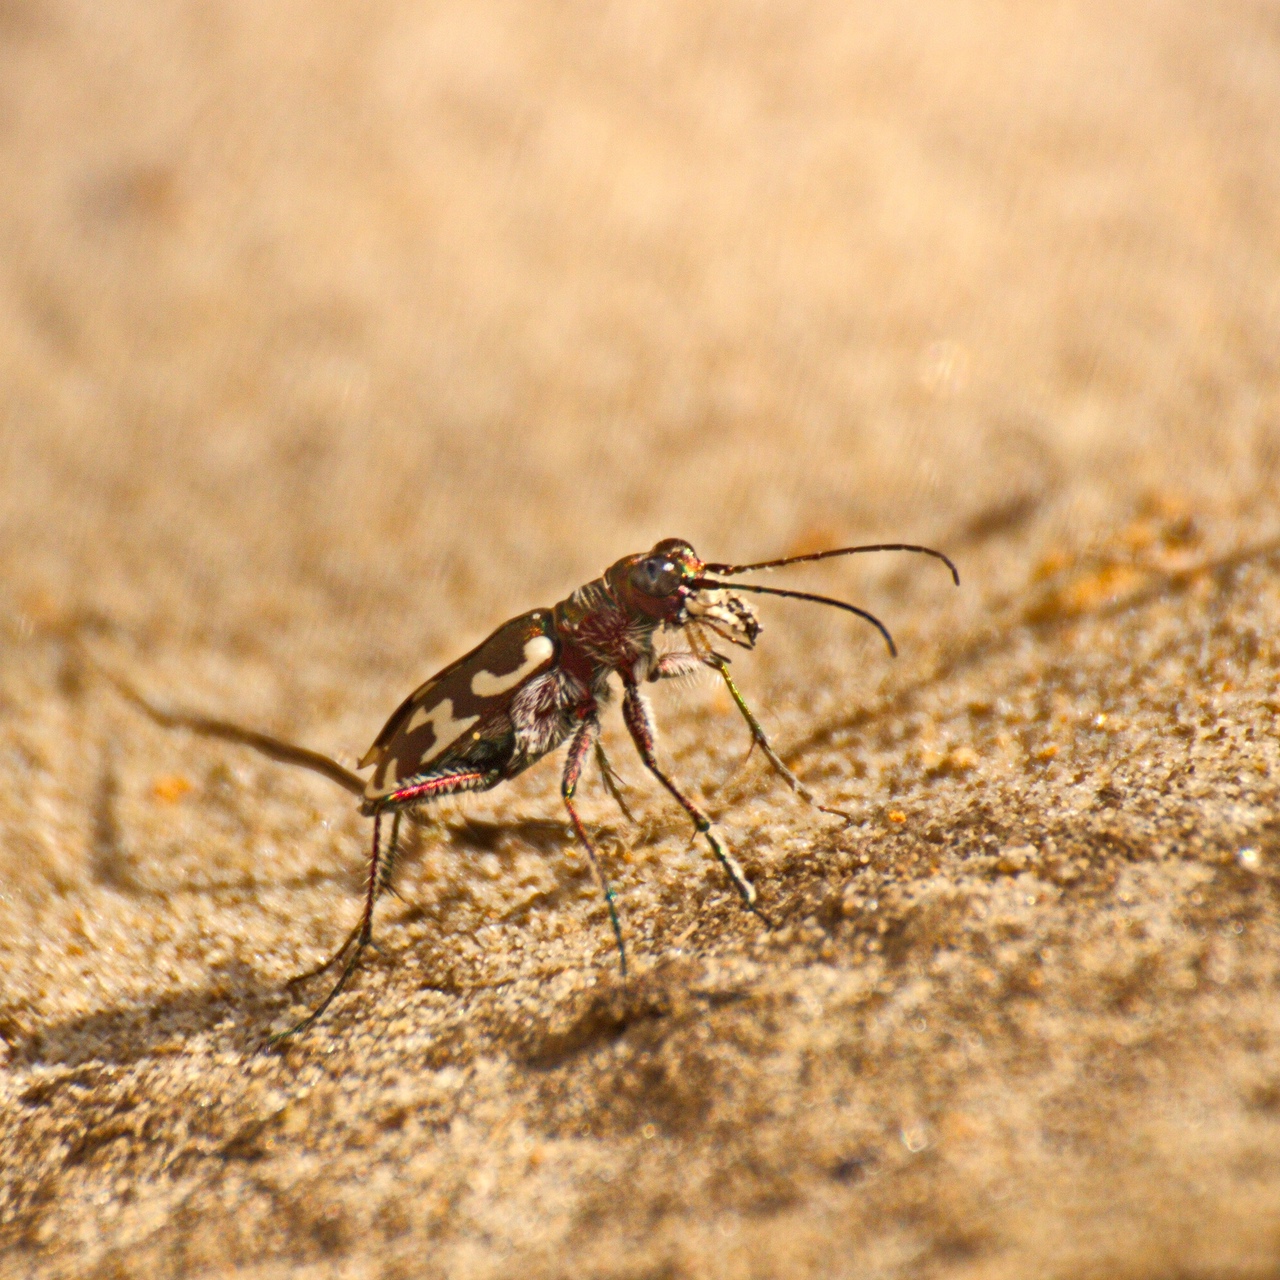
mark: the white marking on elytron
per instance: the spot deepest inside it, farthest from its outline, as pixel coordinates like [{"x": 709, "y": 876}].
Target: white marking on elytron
[
  {"x": 484, "y": 684},
  {"x": 443, "y": 725}
]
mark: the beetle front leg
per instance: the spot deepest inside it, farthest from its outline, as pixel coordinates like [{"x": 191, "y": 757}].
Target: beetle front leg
[
  {"x": 636, "y": 715},
  {"x": 677, "y": 665},
  {"x": 717, "y": 662},
  {"x": 583, "y": 741}
]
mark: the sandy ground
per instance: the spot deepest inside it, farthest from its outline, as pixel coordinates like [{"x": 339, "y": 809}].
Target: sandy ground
[{"x": 332, "y": 335}]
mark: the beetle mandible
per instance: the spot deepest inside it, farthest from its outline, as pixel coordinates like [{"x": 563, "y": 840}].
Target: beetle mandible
[{"x": 543, "y": 678}]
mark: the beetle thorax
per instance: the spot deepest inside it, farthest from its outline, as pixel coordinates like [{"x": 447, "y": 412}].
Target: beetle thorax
[{"x": 594, "y": 625}]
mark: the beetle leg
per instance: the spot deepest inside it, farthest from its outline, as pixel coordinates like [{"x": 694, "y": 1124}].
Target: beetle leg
[
  {"x": 636, "y": 715},
  {"x": 588, "y": 735},
  {"x": 719, "y": 663},
  {"x": 325, "y": 965},
  {"x": 362, "y": 937},
  {"x": 380, "y": 870},
  {"x": 677, "y": 665},
  {"x": 612, "y": 781},
  {"x": 385, "y": 867},
  {"x": 417, "y": 790}
]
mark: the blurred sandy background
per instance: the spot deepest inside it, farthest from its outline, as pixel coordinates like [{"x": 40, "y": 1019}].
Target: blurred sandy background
[{"x": 332, "y": 335}]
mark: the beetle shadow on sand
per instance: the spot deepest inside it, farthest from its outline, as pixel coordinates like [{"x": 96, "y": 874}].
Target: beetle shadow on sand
[
  {"x": 234, "y": 1003},
  {"x": 543, "y": 834}
]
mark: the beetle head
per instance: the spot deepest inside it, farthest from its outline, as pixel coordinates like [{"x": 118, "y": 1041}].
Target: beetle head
[
  {"x": 655, "y": 584},
  {"x": 666, "y": 586}
]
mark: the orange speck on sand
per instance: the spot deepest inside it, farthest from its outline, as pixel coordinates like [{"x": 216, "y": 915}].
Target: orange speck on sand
[
  {"x": 171, "y": 788},
  {"x": 896, "y": 815},
  {"x": 1050, "y": 566},
  {"x": 1106, "y": 584},
  {"x": 1109, "y": 583}
]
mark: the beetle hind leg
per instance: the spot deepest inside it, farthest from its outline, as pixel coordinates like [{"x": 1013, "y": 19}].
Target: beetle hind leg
[
  {"x": 325, "y": 965},
  {"x": 381, "y": 868},
  {"x": 360, "y": 937},
  {"x": 384, "y": 868}
]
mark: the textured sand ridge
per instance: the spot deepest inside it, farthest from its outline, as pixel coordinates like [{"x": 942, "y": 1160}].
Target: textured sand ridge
[{"x": 331, "y": 336}]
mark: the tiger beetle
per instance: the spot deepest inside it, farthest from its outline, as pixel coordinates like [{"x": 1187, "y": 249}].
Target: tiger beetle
[{"x": 543, "y": 678}]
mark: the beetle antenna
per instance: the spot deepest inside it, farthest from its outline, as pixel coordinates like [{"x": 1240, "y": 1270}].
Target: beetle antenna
[
  {"x": 731, "y": 570},
  {"x": 708, "y": 583}
]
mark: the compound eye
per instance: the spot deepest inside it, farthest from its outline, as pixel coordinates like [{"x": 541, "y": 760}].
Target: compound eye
[{"x": 656, "y": 576}]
